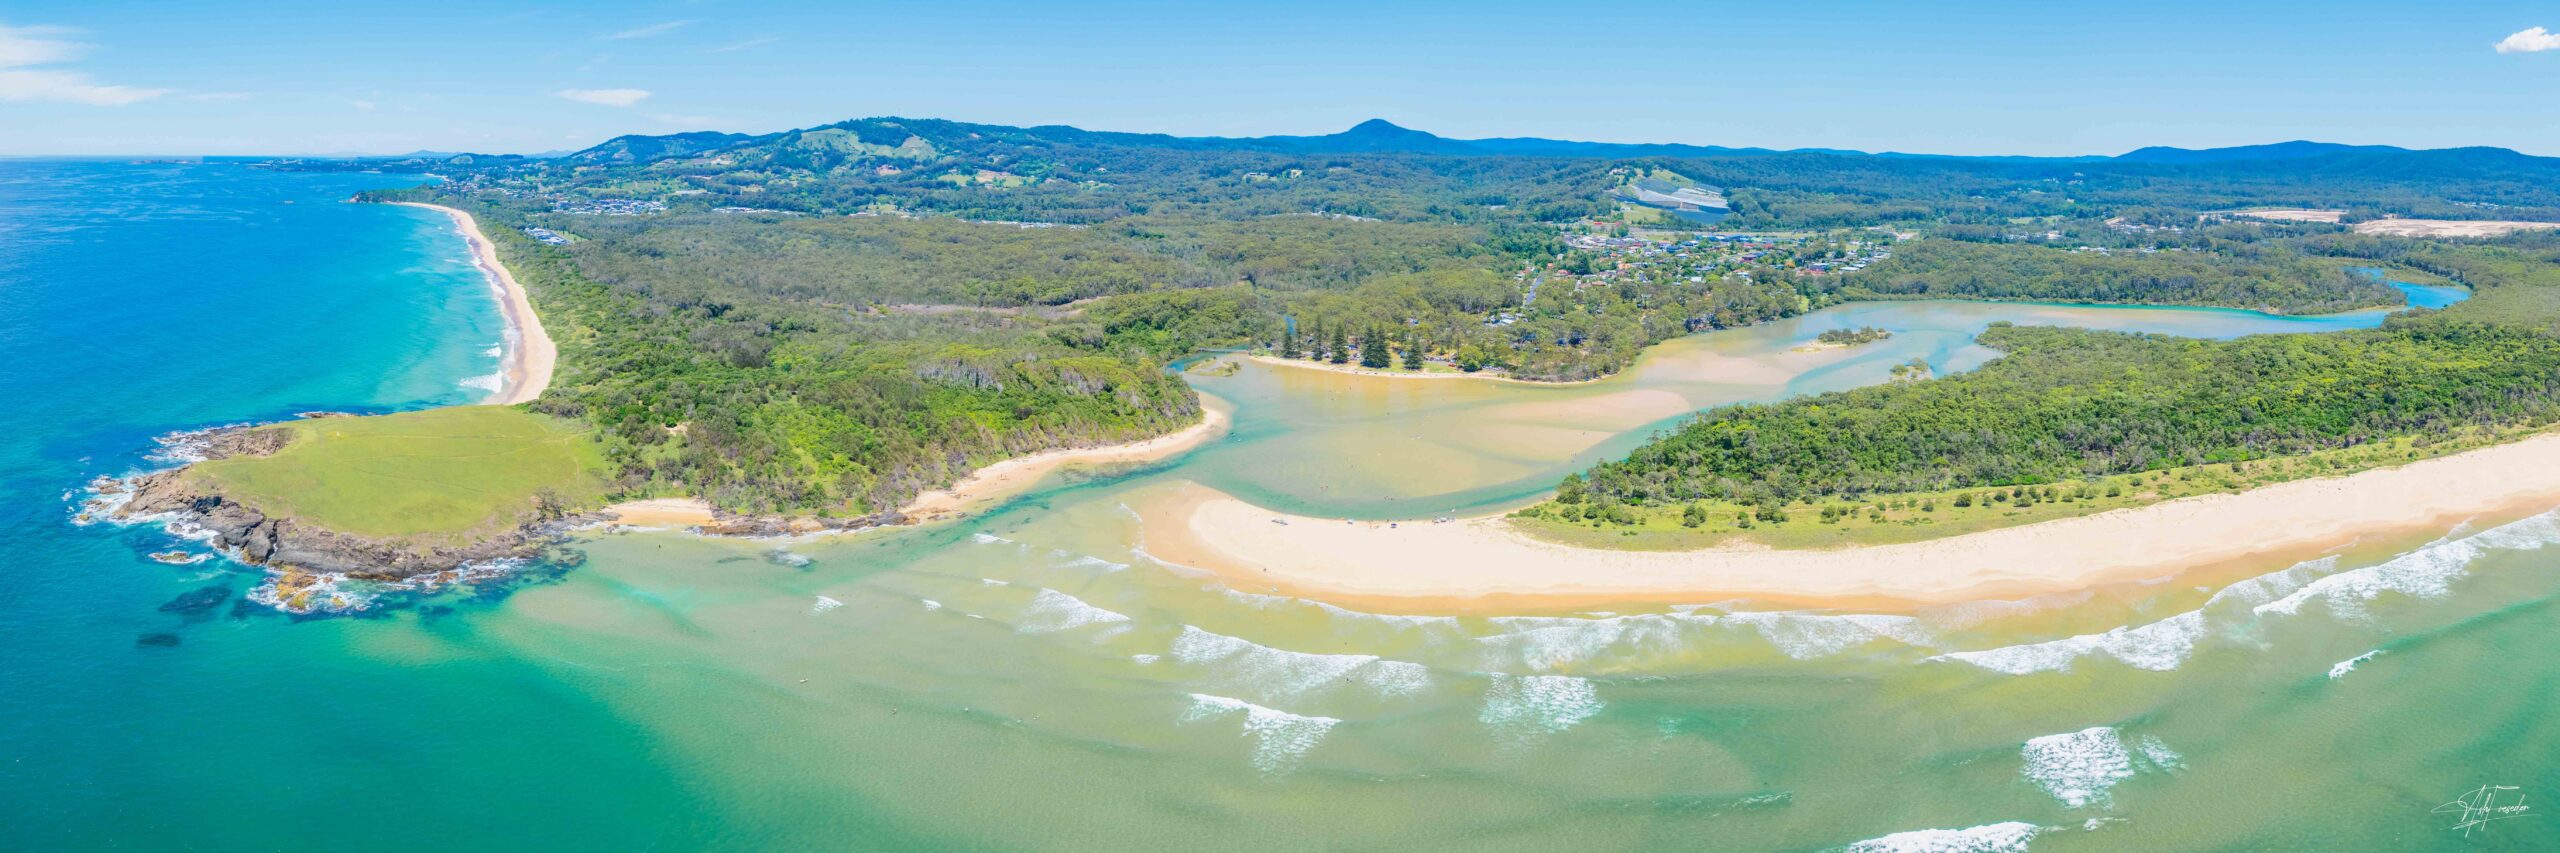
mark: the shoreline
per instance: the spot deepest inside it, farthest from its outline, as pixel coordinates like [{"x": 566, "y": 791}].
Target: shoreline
[
  {"x": 525, "y": 368},
  {"x": 1002, "y": 479},
  {"x": 1378, "y": 373},
  {"x": 1482, "y": 563}
]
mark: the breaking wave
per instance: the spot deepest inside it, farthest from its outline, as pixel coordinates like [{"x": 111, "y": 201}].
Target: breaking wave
[
  {"x": 2341, "y": 668},
  {"x": 1523, "y": 708},
  {"x": 1052, "y": 611},
  {"x": 1279, "y": 674},
  {"x": 2079, "y": 767},
  {"x": 2007, "y": 837},
  {"x": 1280, "y": 739},
  {"x": 1550, "y": 643},
  {"x": 2425, "y": 572}
]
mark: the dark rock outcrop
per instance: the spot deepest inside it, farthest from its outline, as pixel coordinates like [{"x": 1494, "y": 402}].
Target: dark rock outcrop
[{"x": 197, "y": 601}]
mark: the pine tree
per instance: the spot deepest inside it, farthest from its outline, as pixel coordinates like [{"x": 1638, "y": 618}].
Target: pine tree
[
  {"x": 1373, "y": 350},
  {"x": 1288, "y": 340},
  {"x": 1413, "y": 353},
  {"x": 1338, "y": 347},
  {"x": 1316, "y": 344}
]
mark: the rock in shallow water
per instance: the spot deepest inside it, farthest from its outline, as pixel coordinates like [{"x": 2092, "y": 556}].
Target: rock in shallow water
[{"x": 197, "y": 601}]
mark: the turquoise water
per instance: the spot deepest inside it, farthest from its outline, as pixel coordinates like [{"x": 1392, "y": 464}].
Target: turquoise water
[{"x": 1032, "y": 679}]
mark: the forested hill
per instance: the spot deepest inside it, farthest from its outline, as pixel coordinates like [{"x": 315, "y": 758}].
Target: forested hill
[{"x": 831, "y": 319}]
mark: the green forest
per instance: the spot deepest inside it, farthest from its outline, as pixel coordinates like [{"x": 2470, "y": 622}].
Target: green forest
[
  {"x": 834, "y": 319},
  {"x": 2076, "y": 406}
]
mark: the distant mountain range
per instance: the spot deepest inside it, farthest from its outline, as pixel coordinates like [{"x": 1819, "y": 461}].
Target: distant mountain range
[{"x": 1381, "y": 136}]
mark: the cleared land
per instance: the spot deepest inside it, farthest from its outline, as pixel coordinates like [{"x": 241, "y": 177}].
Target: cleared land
[
  {"x": 2448, "y": 227},
  {"x": 439, "y": 475},
  {"x": 2292, "y": 215}
]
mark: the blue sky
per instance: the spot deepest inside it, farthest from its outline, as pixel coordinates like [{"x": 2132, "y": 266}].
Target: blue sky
[{"x": 1965, "y": 78}]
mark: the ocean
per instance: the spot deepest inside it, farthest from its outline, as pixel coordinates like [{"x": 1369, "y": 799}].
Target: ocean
[{"x": 1031, "y": 678}]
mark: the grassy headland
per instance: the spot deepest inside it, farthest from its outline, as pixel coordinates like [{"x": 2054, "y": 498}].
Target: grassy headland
[{"x": 434, "y": 477}]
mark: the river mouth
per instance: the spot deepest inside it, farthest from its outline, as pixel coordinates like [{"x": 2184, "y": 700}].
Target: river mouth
[{"x": 1340, "y": 445}]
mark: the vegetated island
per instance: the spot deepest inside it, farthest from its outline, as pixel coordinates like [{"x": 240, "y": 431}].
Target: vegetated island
[{"x": 813, "y": 328}]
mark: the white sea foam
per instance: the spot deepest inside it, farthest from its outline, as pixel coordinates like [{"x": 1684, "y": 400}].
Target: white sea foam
[
  {"x": 2343, "y": 667},
  {"x": 336, "y": 592},
  {"x": 987, "y": 538},
  {"x": 1145, "y": 659},
  {"x": 2159, "y": 646},
  {"x": 1097, "y": 563},
  {"x": 495, "y": 350},
  {"x": 1052, "y": 610},
  {"x": 782, "y": 557},
  {"x": 2010, "y": 837},
  {"x": 1521, "y": 708},
  {"x": 490, "y": 383},
  {"x": 1554, "y": 643},
  {"x": 823, "y": 605},
  {"x": 2079, "y": 767},
  {"x": 1260, "y": 601},
  {"x": 1279, "y": 674},
  {"x": 186, "y": 447},
  {"x": 929, "y": 604},
  {"x": 2426, "y": 572},
  {"x": 1281, "y": 739}
]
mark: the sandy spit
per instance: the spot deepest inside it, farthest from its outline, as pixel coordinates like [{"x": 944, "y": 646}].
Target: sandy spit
[{"x": 1483, "y": 563}]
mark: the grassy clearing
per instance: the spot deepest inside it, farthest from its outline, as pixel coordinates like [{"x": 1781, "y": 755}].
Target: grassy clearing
[
  {"x": 1889, "y": 519},
  {"x": 435, "y": 476}
]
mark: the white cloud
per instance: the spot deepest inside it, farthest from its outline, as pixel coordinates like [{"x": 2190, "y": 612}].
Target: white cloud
[
  {"x": 2530, "y": 40},
  {"x": 650, "y": 30},
  {"x": 606, "y": 97},
  {"x": 743, "y": 45},
  {"x": 24, "y": 48}
]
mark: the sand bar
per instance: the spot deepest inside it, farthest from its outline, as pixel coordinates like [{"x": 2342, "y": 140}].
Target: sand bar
[
  {"x": 526, "y": 365},
  {"x": 1481, "y": 563}
]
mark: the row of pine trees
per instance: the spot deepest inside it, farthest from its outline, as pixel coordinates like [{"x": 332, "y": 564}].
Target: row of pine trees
[{"x": 1377, "y": 349}]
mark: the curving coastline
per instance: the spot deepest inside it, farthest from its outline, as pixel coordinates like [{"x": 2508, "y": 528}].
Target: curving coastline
[
  {"x": 984, "y": 486},
  {"x": 530, "y": 355},
  {"x": 1480, "y": 563}
]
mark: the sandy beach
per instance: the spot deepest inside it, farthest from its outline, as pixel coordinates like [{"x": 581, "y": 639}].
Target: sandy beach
[
  {"x": 526, "y": 366},
  {"x": 1012, "y": 476},
  {"x": 1476, "y": 563},
  {"x": 982, "y": 487}
]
